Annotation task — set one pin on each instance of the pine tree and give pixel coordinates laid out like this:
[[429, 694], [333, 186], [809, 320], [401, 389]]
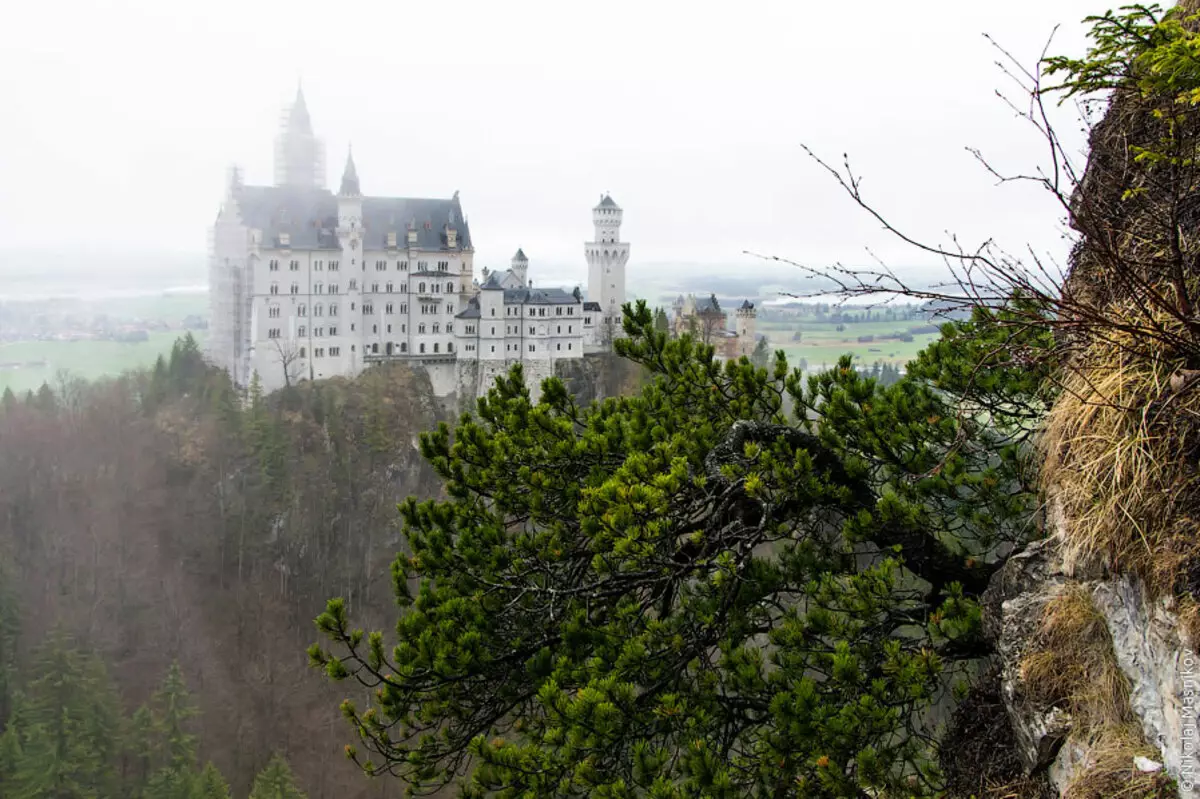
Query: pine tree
[[67, 728], [212, 784], [173, 783], [143, 747], [589, 611], [8, 400], [275, 781], [175, 710]]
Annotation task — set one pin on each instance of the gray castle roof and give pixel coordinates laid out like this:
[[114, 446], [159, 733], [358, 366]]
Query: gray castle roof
[[591, 306], [520, 256], [747, 306], [309, 216], [528, 296], [607, 202], [471, 311]]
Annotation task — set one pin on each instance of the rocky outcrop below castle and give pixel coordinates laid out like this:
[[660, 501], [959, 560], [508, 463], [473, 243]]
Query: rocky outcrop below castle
[[1139, 720]]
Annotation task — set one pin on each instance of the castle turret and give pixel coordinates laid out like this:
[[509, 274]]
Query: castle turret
[[747, 328], [606, 257], [520, 266]]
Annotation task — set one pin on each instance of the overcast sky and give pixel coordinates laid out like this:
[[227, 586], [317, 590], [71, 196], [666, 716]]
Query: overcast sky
[[121, 118]]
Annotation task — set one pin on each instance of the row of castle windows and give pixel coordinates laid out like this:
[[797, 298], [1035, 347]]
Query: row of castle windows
[[294, 266], [391, 349]]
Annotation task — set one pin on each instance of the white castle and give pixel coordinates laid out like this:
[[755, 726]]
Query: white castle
[[305, 284]]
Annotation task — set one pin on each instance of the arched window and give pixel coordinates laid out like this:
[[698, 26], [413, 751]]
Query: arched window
[[435, 346], [403, 347], [389, 348], [422, 347], [449, 288], [450, 346], [374, 349], [421, 288]]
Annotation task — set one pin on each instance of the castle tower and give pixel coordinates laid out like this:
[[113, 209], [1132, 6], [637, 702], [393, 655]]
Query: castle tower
[[747, 328], [606, 257], [299, 155], [520, 267]]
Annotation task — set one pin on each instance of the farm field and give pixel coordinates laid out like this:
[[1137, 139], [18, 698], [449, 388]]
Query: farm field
[[822, 344], [86, 359]]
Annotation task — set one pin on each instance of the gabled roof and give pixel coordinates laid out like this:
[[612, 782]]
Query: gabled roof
[[591, 306], [520, 256], [309, 216]]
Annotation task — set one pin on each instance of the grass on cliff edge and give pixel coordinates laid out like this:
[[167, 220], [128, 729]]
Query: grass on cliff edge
[[1120, 447], [1072, 667]]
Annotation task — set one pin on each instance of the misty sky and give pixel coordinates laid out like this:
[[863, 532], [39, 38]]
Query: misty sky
[[121, 117]]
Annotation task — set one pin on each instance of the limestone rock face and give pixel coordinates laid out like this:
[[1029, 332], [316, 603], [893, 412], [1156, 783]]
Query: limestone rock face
[[1161, 666], [1012, 614]]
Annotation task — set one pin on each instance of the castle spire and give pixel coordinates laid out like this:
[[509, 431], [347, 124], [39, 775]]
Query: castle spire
[[350, 186], [299, 120]]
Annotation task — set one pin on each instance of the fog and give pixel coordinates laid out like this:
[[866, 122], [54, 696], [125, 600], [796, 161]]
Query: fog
[[121, 119]]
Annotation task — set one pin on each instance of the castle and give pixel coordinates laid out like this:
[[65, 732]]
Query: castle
[[307, 284], [704, 320]]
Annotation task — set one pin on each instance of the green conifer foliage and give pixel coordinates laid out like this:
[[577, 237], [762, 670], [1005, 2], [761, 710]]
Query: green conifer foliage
[[687, 592], [275, 781], [175, 710], [67, 730], [212, 784]]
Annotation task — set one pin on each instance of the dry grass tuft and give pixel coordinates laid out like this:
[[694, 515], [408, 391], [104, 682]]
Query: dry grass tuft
[[1109, 772], [1120, 448], [1072, 667]]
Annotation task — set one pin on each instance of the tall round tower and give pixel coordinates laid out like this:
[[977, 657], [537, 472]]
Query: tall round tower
[[606, 257]]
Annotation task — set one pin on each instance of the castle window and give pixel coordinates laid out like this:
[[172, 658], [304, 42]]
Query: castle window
[[335, 351], [294, 266], [302, 310], [532, 312], [352, 330], [354, 285], [421, 288], [436, 327], [422, 347], [531, 330], [389, 328], [295, 288], [374, 328], [273, 312], [435, 346], [275, 288], [374, 349], [558, 311], [317, 288], [273, 266], [449, 288], [493, 312], [318, 310], [301, 331], [334, 288], [587, 320], [450, 308], [559, 329], [403, 288], [493, 330], [531, 348], [443, 266], [388, 308], [558, 346], [389, 288], [449, 327], [450, 346], [302, 351], [333, 309], [568, 345], [404, 307], [493, 348], [317, 266], [333, 265], [421, 328], [403, 328], [374, 287], [571, 310], [570, 328], [404, 266], [403, 347], [422, 266]]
